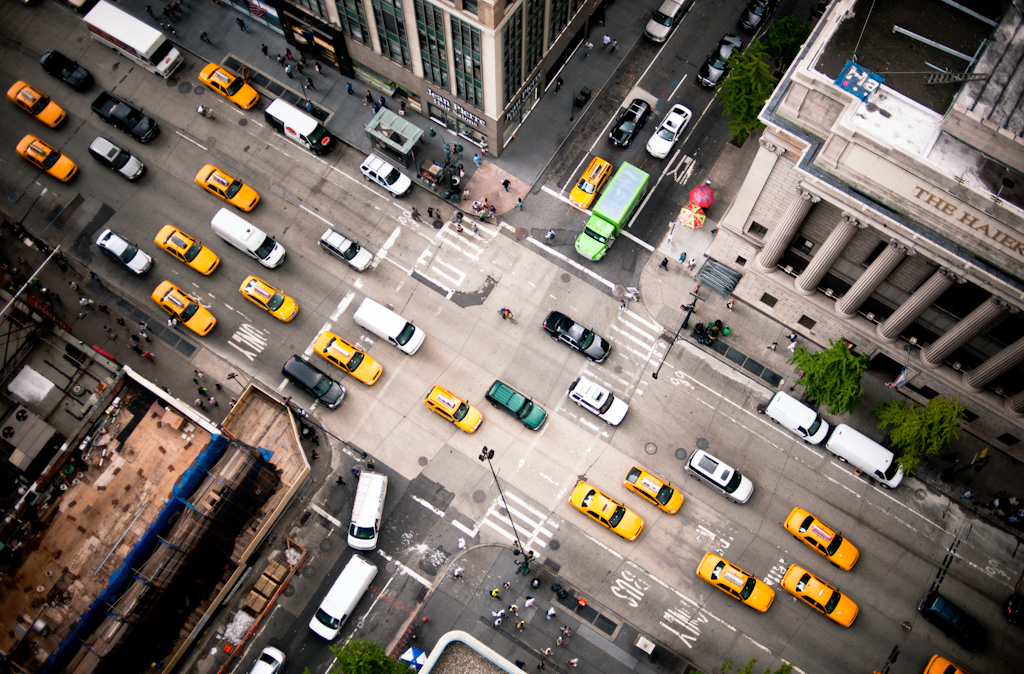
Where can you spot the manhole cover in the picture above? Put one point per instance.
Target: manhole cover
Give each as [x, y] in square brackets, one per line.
[618, 369]
[566, 278]
[920, 494]
[288, 590]
[307, 572]
[618, 291]
[479, 496]
[905, 625]
[522, 234]
[554, 544]
[13, 196]
[172, 81]
[391, 566]
[422, 461]
[681, 454]
[243, 122]
[651, 448]
[702, 443]
[326, 544]
[186, 87]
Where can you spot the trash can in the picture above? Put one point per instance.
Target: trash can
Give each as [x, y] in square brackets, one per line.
[582, 97]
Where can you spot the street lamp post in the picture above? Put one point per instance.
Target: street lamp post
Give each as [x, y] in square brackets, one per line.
[487, 455]
[690, 308]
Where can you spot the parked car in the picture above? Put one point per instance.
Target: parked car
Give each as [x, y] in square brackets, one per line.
[720, 476]
[124, 251]
[351, 252]
[66, 70]
[387, 176]
[561, 328]
[821, 538]
[948, 617]
[605, 510]
[47, 157]
[714, 68]
[756, 12]
[504, 397]
[669, 131]
[651, 487]
[271, 661]
[1014, 608]
[629, 123]
[819, 595]
[598, 400]
[32, 101]
[735, 582]
[116, 158]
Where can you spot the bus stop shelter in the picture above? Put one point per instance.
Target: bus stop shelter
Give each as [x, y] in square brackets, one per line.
[393, 136]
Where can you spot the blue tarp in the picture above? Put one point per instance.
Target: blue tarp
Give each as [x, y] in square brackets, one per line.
[97, 611]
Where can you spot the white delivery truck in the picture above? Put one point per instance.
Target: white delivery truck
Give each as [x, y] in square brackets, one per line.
[130, 37]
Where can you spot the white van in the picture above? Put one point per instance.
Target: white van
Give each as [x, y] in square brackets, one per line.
[299, 127]
[385, 323]
[367, 511]
[342, 598]
[664, 20]
[787, 411]
[866, 454]
[247, 238]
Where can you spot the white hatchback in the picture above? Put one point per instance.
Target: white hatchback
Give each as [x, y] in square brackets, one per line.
[387, 176]
[598, 400]
[720, 476]
[669, 131]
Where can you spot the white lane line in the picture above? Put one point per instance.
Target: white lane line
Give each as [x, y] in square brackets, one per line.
[317, 215]
[634, 239]
[934, 524]
[428, 506]
[386, 247]
[341, 308]
[405, 570]
[646, 345]
[280, 387]
[565, 199]
[399, 265]
[309, 349]
[640, 319]
[673, 94]
[573, 263]
[186, 137]
[759, 645]
[326, 515]
[840, 484]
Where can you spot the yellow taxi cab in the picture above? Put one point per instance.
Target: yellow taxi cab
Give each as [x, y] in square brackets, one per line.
[269, 298]
[735, 582]
[229, 86]
[188, 250]
[47, 158]
[940, 665]
[227, 187]
[591, 182]
[454, 409]
[347, 357]
[819, 595]
[822, 539]
[602, 508]
[32, 101]
[184, 307]
[654, 489]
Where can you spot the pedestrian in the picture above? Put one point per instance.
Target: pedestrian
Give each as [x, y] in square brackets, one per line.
[476, 230]
[728, 305]
[551, 613]
[288, 70]
[573, 663]
[241, 24]
[558, 84]
[149, 10]
[607, 41]
[692, 263]
[792, 347]
[550, 235]
[143, 325]
[559, 641]
[483, 149]
[234, 401]
[217, 386]
[84, 303]
[288, 54]
[382, 102]
[199, 403]
[430, 212]
[696, 289]
[664, 264]
[529, 602]
[302, 60]
[519, 663]
[507, 585]
[280, 60]
[319, 71]
[375, 107]
[356, 472]
[203, 37]
[774, 346]
[401, 108]
[348, 88]
[512, 608]
[309, 82]
[370, 464]
[476, 160]
[465, 194]
[791, 336]
[505, 183]
[458, 229]
[309, 105]
[498, 614]
[200, 375]
[622, 305]
[615, 45]
[457, 573]
[415, 214]
[120, 321]
[565, 631]
[213, 401]
[497, 622]
[315, 455]
[520, 205]
[135, 338]
[496, 593]
[265, 50]
[299, 66]
[166, 12]
[74, 286]
[590, 45]
[110, 333]
[203, 390]
[540, 665]
[148, 355]
[142, 333]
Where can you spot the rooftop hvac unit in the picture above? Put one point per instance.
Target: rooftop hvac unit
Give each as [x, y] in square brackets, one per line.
[27, 433]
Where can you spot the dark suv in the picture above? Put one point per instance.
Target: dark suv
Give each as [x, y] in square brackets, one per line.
[630, 122]
[328, 391]
[948, 617]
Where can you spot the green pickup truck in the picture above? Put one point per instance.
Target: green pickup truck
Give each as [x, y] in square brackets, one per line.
[507, 398]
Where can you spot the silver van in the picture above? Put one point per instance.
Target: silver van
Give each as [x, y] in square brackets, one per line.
[866, 454]
[664, 20]
[787, 411]
[299, 127]
[367, 511]
[388, 325]
[342, 598]
[247, 238]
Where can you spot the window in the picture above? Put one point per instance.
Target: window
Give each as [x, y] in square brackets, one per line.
[315, 7]
[534, 33]
[512, 42]
[468, 74]
[559, 18]
[741, 261]
[433, 52]
[1008, 440]
[353, 21]
[757, 229]
[803, 245]
[769, 300]
[470, 6]
[394, 43]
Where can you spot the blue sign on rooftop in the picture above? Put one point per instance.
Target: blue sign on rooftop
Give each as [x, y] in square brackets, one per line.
[858, 80]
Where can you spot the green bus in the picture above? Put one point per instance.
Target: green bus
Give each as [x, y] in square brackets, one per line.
[613, 210]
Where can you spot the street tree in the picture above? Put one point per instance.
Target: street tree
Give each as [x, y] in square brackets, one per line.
[921, 431]
[745, 90]
[832, 377]
[783, 41]
[364, 657]
[748, 668]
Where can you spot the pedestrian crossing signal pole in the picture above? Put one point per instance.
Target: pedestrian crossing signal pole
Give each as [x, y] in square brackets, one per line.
[487, 455]
[690, 308]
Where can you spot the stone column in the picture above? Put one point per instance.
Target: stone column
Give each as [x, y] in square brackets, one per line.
[1008, 358]
[784, 230]
[964, 330]
[807, 282]
[932, 289]
[872, 277]
[1015, 405]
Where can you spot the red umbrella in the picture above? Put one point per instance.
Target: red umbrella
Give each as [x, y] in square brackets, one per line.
[692, 216]
[702, 196]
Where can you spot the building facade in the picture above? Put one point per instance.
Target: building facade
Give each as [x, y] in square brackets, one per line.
[475, 67]
[886, 203]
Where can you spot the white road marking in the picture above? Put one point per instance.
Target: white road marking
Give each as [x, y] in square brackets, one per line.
[341, 308]
[634, 239]
[186, 137]
[309, 349]
[840, 484]
[280, 387]
[573, 263]
[327, 516]
[428, 506]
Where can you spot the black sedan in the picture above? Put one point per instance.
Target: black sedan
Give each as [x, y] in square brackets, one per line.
[630, 122]
[755, 13]
[561, 328]
[63, 68]
[713, 70]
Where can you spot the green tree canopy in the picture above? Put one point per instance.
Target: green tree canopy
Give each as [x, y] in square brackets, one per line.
[744, 92]
[748, 668]
[364, 657]
[920, 431]
[832, 377]
[783, 41]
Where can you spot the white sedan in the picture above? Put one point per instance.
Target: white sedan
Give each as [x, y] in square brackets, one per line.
[271, 661]
[669, 131]
[124, 251]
